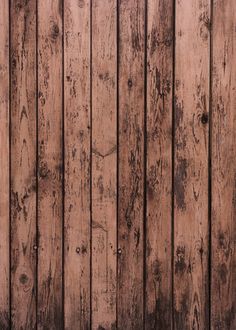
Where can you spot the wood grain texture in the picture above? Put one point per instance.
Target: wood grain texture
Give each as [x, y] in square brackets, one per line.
[223, 290]
[4, 166]
[159, 164]
[23, 164]
[117, 175]
[191, 164]
[77, 164]
[131, 164]
[50, 310]
[104, 158]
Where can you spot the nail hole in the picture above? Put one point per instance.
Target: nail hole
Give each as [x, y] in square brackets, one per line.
[130, 83]
[204, 118]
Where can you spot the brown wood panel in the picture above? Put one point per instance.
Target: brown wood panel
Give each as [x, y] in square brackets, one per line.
[50, 217]
[192, 55]
[4, 165]
[117, 176]
[223, 290]
[104, 157]
[159, 164]
[131, 164]
[77, 163]
[23, 164]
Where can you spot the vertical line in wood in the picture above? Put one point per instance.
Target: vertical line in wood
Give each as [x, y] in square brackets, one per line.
[91, 156]
[131, 170]
[36, 247]
[117, 155]
[62, 5]
[77, 30]
[210, 167]
[23, 164]
[9, 154]
[145, 163]
[104, 150]
[173, 165]
[223, 277]
[191, 164]
[4, 164]
[159, 164]
[50, 172]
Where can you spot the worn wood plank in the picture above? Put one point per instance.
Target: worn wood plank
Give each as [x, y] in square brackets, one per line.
[50, 304]
[223, 290]
[77, 164]
[131, 164]
[23, 164]
[191, 164]
[159, 164]
[104, 146]
[4, 165]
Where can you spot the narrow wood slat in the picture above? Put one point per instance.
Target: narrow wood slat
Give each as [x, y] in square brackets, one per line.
[131, 164]
[192, 55]
[4, 165]
[23, 164]
[223, 290]
[50, 311]
[104, 157]
[159, 164]
[77, 164]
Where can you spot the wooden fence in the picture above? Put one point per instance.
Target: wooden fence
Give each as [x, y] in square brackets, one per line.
[118, 164]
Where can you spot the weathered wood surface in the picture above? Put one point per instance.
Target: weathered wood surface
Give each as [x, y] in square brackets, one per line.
[4, 166]
[77, 164]
[104, 159]
[50, 165]
[131, 164]
[159, 164]
[23, 164]
[117, 171]
[223, 290]
[192, 58]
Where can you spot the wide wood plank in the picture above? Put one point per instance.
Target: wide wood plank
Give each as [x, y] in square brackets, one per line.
[104, 157]
[159, 164]
[4, 165]
[77, 164]
[23, 164]
[192, 56]
[50, 304]
[223, 290]
[131, 164]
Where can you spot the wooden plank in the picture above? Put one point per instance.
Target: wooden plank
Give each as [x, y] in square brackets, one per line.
[4, 165]
[191, 164]
[104, 157]
[23, 164]
[77, 164]
[223, 290]
[131, 164]
[159, 164]
[50, 304]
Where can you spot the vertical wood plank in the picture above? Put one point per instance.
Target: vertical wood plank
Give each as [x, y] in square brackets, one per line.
[159, 164]
[4, 165]
[77, 164]
[223, 290]
[191, 164]
[50, 304]
[23, 164]
[104, 156]
[131, 164]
